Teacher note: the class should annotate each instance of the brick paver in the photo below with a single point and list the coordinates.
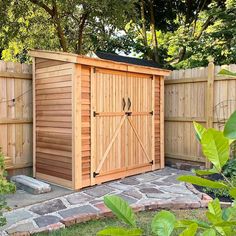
(149, 191)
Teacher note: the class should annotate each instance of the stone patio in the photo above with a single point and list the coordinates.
(149, 191)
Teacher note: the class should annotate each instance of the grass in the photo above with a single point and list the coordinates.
(144, 219)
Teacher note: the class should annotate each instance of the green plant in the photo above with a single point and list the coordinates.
(216, 148)
(229, 169)
(164, 223)
(6, 187)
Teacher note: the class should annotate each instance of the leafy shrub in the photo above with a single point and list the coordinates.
(218, 193)
(6, 187)
(164, 223)
(221, 192)
(229, 169)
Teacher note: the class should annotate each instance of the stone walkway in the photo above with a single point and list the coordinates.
(149, 191)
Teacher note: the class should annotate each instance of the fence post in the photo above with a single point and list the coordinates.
(210, 98)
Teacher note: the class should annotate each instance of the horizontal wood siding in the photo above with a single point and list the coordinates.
(85, 126)
(53, 101)
(157, 127)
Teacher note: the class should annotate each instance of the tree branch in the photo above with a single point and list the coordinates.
(44, 6)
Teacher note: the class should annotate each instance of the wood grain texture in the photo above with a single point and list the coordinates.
(16, 114)
(200, 95)
(53, 119)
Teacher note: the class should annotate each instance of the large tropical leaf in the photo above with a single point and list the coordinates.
(229, 214)
(211, 218)
(215, 208)
(121, 209)
(115, 231)
(201, 182)
(206, 172)
(230, 127)
(186, 223)
(190, 231)
(232, 192)
(163, 223)
(199, 130)
(215, 147)
(209, 232)
(227, 72)
(224, 224)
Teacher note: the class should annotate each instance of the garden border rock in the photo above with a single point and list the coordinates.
(205, 198)
(106, 213)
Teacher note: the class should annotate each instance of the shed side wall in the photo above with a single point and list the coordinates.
(53, 117)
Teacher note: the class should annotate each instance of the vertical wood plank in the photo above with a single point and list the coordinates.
(34, 119)
(153, 124)
(162, 160)
(93, 126)
(76, 127)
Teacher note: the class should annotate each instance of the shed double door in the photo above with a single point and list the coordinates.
(122, 124)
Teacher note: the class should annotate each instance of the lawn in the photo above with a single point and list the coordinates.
(144, 219)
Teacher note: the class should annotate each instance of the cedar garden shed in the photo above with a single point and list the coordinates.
(95, 119)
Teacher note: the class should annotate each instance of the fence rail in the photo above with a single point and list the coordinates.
(200, 95)
(16, 114)
(197, 94)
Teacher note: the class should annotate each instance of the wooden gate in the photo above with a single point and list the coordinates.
(121, 125)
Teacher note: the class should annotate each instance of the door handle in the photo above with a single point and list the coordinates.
(129, 103)
(123, 103)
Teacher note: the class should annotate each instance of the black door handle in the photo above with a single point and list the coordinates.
(123, 104)
(129, 103)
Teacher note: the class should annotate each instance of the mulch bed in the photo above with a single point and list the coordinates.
(214, 177)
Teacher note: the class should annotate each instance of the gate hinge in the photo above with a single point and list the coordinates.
(95, 174)
(151, 162)
(151, 113)
(95, 113)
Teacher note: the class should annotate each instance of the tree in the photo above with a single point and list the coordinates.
(72, 26)
(175, 34)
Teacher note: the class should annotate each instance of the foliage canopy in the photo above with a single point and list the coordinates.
(175, 34)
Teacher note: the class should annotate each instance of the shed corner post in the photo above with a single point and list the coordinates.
(34, 117)
(210, 99)
(162, 147)
(76, 127)
(153, 122)
(92, 109)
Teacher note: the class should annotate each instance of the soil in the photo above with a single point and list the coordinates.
(214, 177)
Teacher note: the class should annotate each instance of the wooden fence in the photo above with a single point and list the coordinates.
(197, 94)
(200, 95)
(16, 114)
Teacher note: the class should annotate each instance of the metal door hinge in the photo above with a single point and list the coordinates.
(152, 113)
(151, 162)
(95, 174)
(95, 113)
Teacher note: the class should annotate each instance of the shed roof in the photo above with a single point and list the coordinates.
(125, 59)
(100, 63)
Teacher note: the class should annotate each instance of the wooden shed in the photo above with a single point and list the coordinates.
(95, 120)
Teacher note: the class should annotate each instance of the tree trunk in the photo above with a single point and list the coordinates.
(153, 32)
(81, 30)
(56, 20)
(59, 29)
(143, 20)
